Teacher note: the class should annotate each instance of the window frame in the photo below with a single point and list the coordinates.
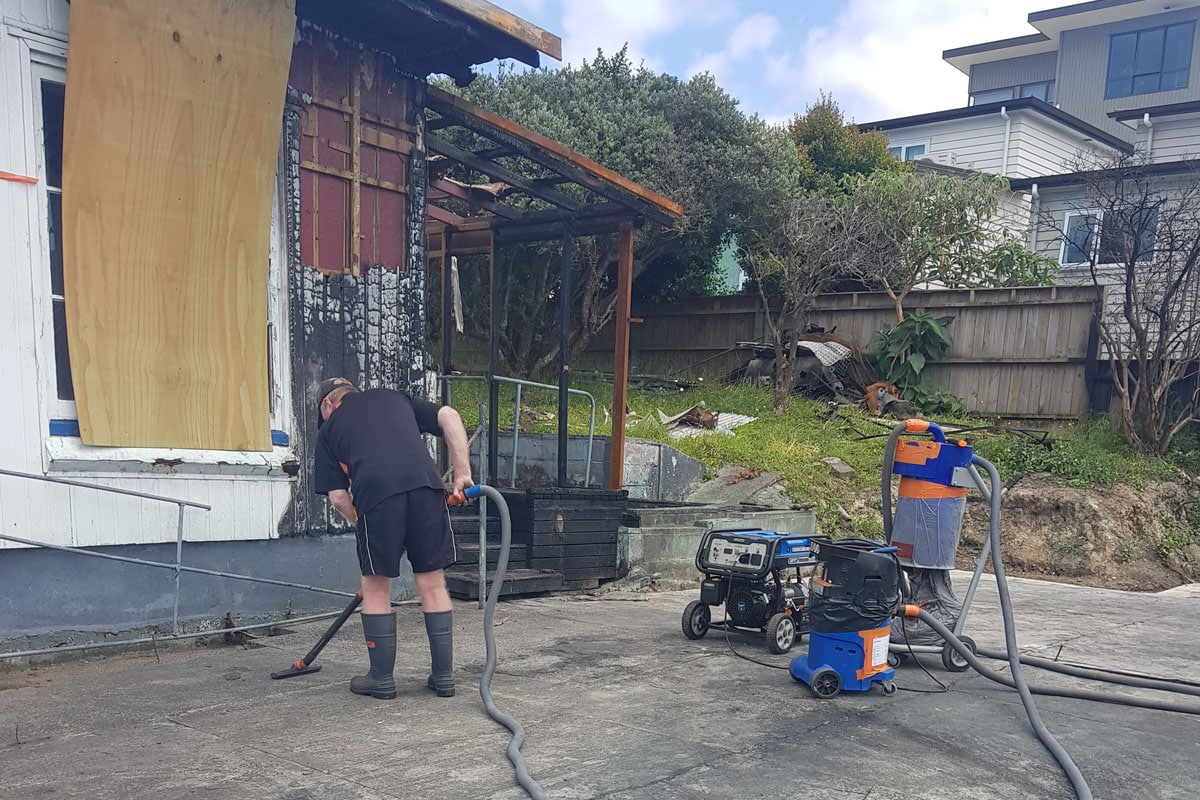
(45, 61)
(1097, 244)
(1133, 77)
(905, 144)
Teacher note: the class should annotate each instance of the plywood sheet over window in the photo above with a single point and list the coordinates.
(355, 139)
(173, 118)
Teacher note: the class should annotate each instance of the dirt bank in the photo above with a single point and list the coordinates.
(1116, 537)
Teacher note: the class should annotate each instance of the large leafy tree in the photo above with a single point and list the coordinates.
(940, 230)
(832, 149)
(796, 240)
(686, 140)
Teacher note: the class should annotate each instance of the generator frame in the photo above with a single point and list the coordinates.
(760, 561)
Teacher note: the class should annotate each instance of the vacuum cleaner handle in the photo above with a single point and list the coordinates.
(925, 426)
(465, 496)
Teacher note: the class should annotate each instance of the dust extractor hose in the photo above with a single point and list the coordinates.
(489, 639)
(1082, 790)
(1101, 674)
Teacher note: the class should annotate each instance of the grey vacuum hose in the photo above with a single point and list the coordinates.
(1050, 691)
(1082, 790)
(489, 638)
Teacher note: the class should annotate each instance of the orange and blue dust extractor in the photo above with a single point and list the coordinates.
(926, 528)
(854, 593)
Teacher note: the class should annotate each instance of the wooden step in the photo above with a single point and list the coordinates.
(464, 583)
(468, 554)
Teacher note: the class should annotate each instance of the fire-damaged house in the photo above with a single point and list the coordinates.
(206, 206)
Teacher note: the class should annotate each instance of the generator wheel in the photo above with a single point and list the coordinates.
(781, 633)
(696, 619)
(825, 683)
(953, 660)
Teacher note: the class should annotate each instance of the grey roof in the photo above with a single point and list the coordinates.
(1022, 104)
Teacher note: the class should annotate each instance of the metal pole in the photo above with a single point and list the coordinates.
(512, 480)
(102, 488)
(178, 573)
(564, 365)
(447, 333)
(616, 450)
(493, 365)
(483, 479)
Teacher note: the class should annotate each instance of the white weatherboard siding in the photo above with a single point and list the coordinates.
(1043, 147)
(1170, 138)
(975, 142)
(249, 494)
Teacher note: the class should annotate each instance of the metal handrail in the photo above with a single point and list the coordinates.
(177, 567)
(518, 382)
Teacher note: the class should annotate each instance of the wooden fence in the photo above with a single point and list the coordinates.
(1018, 353)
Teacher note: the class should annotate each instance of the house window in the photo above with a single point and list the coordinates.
(1153, 60)
(908, 152)
(52, 98)
(1043, 90)
(1124, 236)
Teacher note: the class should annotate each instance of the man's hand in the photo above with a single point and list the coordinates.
(462, 482)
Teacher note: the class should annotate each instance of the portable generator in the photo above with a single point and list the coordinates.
(854, 593)
(758, 576)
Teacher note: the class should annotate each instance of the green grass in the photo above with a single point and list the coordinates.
(795, 443)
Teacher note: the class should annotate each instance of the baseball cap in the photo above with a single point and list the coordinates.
(327, 386)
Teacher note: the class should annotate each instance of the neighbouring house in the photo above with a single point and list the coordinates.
(217, 204)
(1095, 82)
(1102, 96)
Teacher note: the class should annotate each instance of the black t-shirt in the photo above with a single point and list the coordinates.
(371, 445)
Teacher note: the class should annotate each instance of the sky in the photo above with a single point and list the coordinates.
(877, 58)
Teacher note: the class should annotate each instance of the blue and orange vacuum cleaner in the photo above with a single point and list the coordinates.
(854, 594)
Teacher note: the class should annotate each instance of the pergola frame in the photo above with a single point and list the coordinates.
(515, 208)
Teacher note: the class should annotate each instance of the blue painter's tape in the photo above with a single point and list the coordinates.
(64, 427)
(280, 439)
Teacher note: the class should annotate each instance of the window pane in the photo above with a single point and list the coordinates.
(898, 152)
(1078, 244)
(53, 97)
(1143, 84)
(913, 151)
(1121, 87)
(1038, 90)
(54, 201)
(1149, 57)
(992, 96)
(1120, 55)
(1177, 52)
(62, 363)
(1174, 80)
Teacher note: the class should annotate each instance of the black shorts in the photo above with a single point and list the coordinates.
(416, 522)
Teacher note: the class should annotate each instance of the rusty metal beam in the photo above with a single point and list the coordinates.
(494, 170)
(616, 460)
(556, 157)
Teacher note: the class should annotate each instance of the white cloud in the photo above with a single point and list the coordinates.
(750, 38)
(610, 24)
(884, 59)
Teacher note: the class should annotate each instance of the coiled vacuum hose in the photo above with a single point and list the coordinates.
(489, 638)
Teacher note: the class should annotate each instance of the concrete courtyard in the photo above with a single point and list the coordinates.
(617, 704)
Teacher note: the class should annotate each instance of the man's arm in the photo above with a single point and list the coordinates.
(455, 435)
(344, 503)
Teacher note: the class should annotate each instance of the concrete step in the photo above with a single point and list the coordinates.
(649, 517)
(464, 583)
